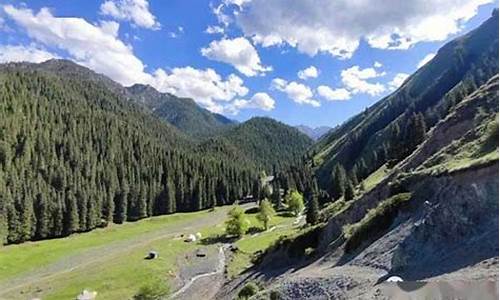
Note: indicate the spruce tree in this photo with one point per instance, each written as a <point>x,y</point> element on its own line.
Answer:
<point>338,182</point>
<point>312,216</point>
<point>349,191</point>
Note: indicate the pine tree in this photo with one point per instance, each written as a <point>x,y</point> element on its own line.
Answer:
<point>338,182</point>
<point>349,191</point>
<point>312,216</point>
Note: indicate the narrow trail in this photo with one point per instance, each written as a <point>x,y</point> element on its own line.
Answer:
<point>219,270</point>
<point>106,252</point>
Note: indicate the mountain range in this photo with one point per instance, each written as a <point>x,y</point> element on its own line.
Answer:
<point>314,133</point>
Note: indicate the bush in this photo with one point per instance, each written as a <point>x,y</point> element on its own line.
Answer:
<point>375,221</point>
<point>274,295</point>
<point>152,291</point>
<point>237,224</point>
<point>266,213</point>
<point>295,202</point>
<point>248,291</point>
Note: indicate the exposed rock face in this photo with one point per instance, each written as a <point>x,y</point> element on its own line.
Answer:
<point>456,226</point>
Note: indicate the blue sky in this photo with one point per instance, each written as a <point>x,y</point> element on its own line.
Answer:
<point>250,67</point>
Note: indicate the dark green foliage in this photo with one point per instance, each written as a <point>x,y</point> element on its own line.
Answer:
<point>374,222</point>
<point>338,182</point>
<point>266,142</point>
<point>392,128</point>
<point>74,155</point>
<point>248,291</point>
<point>312,214</point>
<point>348,191</point>
<point>183,113</point>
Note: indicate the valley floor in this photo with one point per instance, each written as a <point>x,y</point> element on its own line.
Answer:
<point>109,261</point>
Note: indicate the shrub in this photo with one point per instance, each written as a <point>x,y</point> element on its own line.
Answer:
<point>375,221</point>
<point>248,291</point>
<point>266,213</point>
<point>274,295</point>
<point>237,224</point>
<point>295,202</point>
<point>152,291</point>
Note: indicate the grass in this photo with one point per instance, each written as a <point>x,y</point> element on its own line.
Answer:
<point>477,147</point>
<point>375,178</point>
<point>115,277</point>
<point>375,221</point>
<point>250,245</point>
<point>17,259</point>
<point>121,275</point>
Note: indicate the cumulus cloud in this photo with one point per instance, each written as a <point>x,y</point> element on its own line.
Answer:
<point>336,27</point>
<point>135,11</point>
<point>398,80</point>
<point>99,48</point>
<point>94,46</point>
<point>205,86</point>
<point>426,59</point>
<point>333,94</point>
<point>238,52</point>
<point>356,81</point>
<point>19,53</point>
<point>258,101</point>
<point>310,72</point>
<point>377,64</point>
<point>297,92</point>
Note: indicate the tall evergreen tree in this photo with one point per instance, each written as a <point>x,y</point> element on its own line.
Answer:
<point>338,182</point>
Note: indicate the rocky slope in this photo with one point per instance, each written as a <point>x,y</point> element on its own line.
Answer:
<point>432,216</point>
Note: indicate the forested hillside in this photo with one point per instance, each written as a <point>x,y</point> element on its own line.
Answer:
<point>74,155</point>
<point>183,113</point>
<point>267,142</point>
<point>391,129</point>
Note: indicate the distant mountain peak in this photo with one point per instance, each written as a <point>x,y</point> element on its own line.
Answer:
<point>314,133</point>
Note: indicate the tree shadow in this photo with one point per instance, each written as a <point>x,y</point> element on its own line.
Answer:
<point>255,230</point>
<point>217,239</point>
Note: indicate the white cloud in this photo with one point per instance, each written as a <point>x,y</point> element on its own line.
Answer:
<point>426,59</point>
<point>238,52</point>
<point>298,92</point>
<point>398,80</point>
<point>377,64</point>
<point>135,11</point>
<point>239,3</point>
<point>95,46</point>
<point>218,11</point>
<point>356,81</point>
<point>333,94</point>
<point>310,72</point>
<point>336,27</point>
<point>205,86</point>
<point>214,30</point>
<point>99,48</point>
<point>258,101</point>
<point>31,53</point>
<point>176,34</point>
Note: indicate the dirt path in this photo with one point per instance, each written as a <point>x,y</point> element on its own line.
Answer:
<point>181,293</point>
<point>108,251</point>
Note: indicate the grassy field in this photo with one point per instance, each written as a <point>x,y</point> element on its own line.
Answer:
<point>110,260</point>
<point>16,259</point>
<point>249,245</point>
